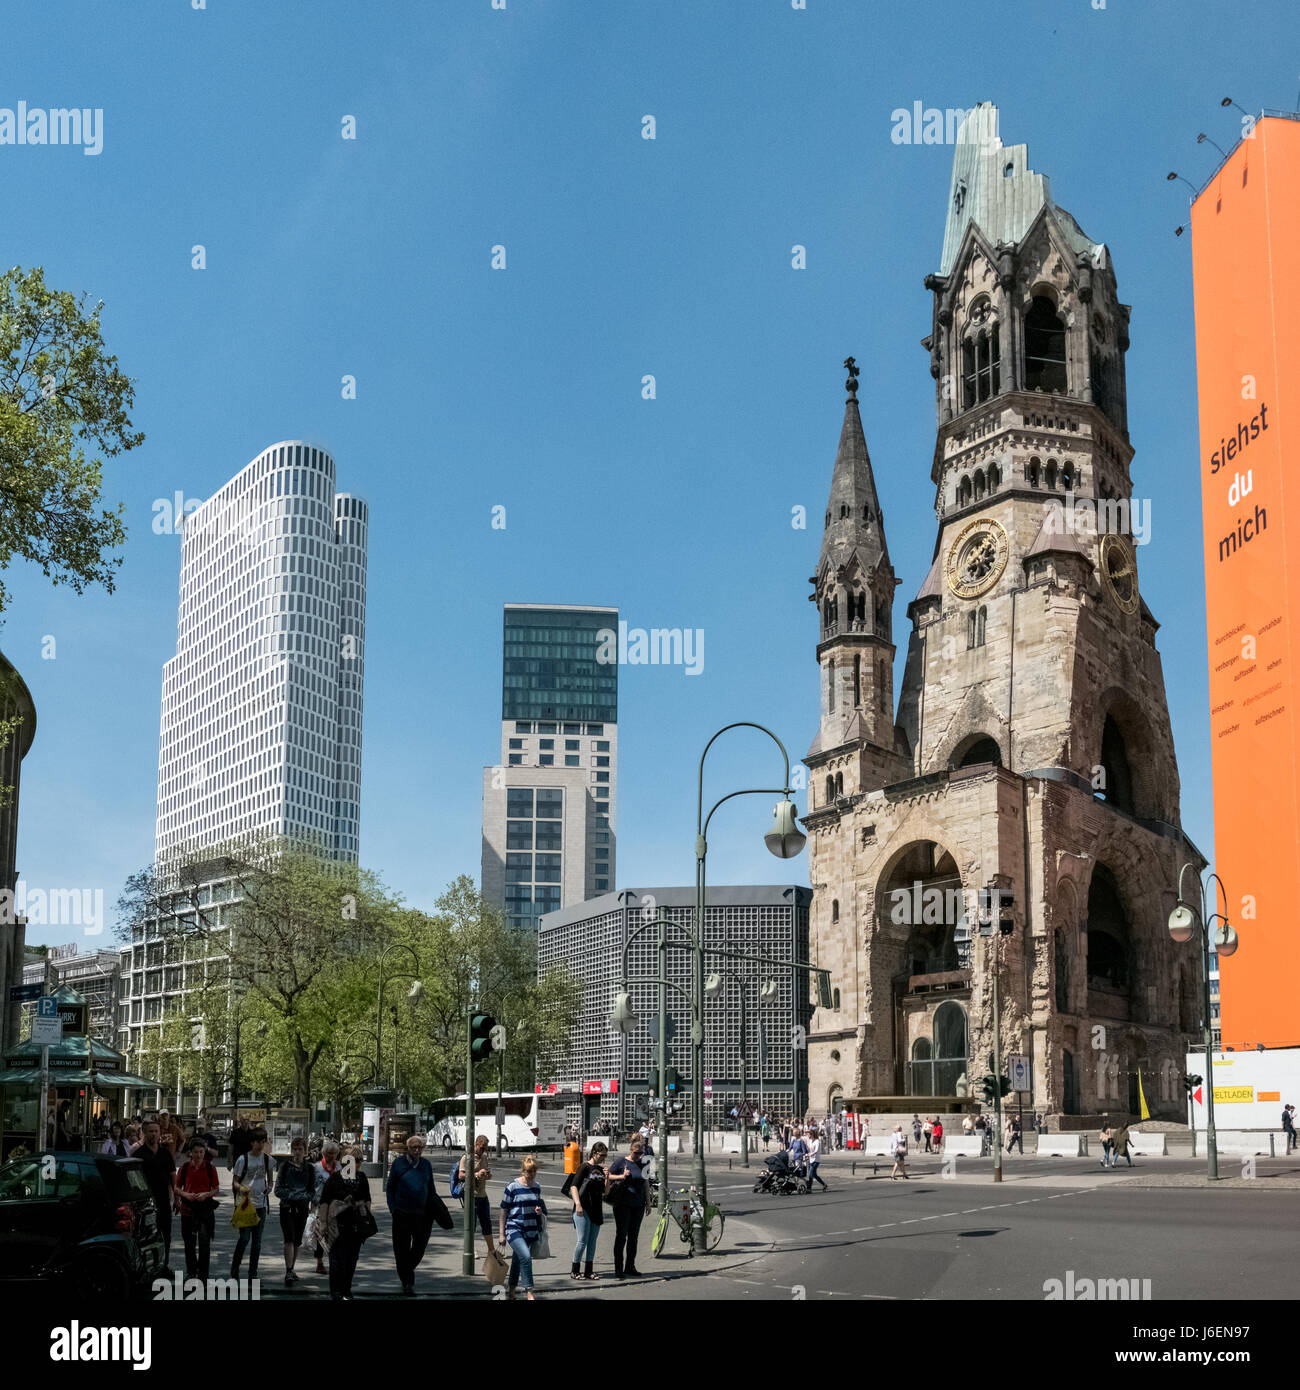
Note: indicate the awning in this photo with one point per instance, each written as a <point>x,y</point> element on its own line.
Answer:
<point>111,1079</point>
<point>64,1076</point>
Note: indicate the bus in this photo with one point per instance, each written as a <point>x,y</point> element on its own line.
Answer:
<point>531,1121</point>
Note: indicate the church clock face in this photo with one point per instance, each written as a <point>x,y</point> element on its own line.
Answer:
<point>976,559</point>
<point>1119,572</point>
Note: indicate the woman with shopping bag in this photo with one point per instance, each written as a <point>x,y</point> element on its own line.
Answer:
<point>522,1211</point>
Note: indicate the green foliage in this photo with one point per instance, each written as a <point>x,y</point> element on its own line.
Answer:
<point>60,393</point>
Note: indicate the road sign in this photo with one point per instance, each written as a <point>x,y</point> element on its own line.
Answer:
<point>47,1006</point>
<point>670,1031</point>
<point>47,1032</point>
<point>501,1116</point>
<point>1018,1072</point>
<point>22,994</point>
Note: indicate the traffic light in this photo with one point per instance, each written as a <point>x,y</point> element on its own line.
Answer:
<point>994,1087</point>
<point>1006,916</point>
<point>1190,1083</point>
<point>480,1036</point>
<point>654,1081</point>
<point>673,1081</point>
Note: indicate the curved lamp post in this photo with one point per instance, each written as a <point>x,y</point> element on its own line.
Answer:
<point>1184,921</point>
<point>414,994</point>
<point>785,840</point>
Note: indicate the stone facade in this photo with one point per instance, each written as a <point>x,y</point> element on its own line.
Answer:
<point>1031,756</point>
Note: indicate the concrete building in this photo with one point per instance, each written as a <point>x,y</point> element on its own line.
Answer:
<point>96,977</point>
<point>588,938</point>
<point>15,704</point>
<point>550,807</point>
<point>1030,752</point>
<point>262,704</point>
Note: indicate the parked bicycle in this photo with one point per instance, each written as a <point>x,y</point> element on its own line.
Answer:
<point>687,1213</point>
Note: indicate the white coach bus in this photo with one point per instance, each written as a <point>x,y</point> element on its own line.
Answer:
<point>531,1121</point>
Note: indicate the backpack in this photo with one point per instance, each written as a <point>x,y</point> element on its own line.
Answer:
<point>457,1183</point>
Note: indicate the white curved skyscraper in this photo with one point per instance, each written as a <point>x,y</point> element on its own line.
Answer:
<point>262,703</point>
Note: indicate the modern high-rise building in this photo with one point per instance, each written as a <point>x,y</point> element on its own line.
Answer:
<point>262,703</point>
<point>550,807</point>
<point>260,736</point>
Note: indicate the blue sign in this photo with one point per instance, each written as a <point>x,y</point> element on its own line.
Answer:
<point>47,1006</point>
<point>21,994</point>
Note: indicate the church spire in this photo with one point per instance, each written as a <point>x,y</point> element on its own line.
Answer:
<point>853,519</point>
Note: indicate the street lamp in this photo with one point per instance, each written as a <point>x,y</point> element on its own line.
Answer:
<point>768,993</point>
<point>1183,922</point>
<point>414,994</point>
<point>785,840</point>
<point>713,986</point>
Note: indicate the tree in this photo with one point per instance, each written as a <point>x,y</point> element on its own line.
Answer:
<point>61,392</point>
<point>469,955</point>
<point>296,933</point>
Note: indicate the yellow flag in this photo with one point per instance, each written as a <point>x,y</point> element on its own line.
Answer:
<point>1142,1100</point>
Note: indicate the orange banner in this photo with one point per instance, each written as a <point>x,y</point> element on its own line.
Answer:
<point>1247,285</point>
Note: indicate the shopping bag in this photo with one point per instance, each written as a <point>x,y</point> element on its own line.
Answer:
<point>495,1268</point>
<point>542,1248</point>
<point>309,1231</point>
<point>245,1213</point>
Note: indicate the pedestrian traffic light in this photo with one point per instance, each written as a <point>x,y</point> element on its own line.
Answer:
<point>480,1036</point>
<point>673,1082</point>
<point>994,1087</point>
<point>654,1081</point>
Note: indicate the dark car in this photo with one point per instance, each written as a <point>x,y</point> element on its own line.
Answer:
<point>85,1220</point>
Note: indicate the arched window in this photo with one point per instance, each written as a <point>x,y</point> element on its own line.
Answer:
<point>858,606</point>
<point>979,483</point>
<point>866,514</point>
<point>835,909</point>
<point>1062,970</point>
<point>970,630</point>
<point>963,492</point>
<point>1050,476</point>
<point>844,509</point>
<point>995,477</point>
<point>884,688</point>
<point>1108,933</point>
<point>857,681</point>
<point>1044,347</point>
<point>830,686</point>
<point>981,620</point>
<point>830,790</point>
<point>1117,780</point>
<point>839,784</point>
<point>968,388</point>
<point>937,1066</point>
<point>1033,472</point>
<point>836,1004</point>
<point>1067,475</point>
<point>983,750</point>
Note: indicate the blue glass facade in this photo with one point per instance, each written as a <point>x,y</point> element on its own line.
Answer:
<point>550,668</point>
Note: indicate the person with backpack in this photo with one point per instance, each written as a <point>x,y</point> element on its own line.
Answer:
<point>587,1189</point>
<point>198,1187</point>
<point>482,1207</point>
<point>322,1171</point>
<point>898,1152</point>
<point>409,1195</point>
<point>346,1220</point>
<point>295,1186</point>
<point>522,1208</point>
<point>253,1173</point>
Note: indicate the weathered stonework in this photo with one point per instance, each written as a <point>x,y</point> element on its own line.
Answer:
<point>1031,751</point>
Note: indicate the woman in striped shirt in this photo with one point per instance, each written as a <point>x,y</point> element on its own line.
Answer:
<point>522,1208</point>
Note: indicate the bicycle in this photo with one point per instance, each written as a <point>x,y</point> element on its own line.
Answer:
<point>686,1214</point>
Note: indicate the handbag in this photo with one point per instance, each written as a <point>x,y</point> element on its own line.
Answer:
<point>542,1245</point>
<point>495,1269</point>
<point>438,1210</point>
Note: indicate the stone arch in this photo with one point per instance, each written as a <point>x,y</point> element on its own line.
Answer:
<point>1109,934</point>
<point>975,748</point>
<point>1122,742</point>
<point>1065,945</point>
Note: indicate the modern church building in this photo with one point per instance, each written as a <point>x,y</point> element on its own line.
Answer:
<point>550,807</point>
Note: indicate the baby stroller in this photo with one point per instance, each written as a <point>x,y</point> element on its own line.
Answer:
<point>780,1177</point>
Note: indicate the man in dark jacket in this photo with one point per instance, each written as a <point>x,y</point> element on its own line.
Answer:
<point>410,1196</point>
<point>241,1140</point>
<point>159,1172</point>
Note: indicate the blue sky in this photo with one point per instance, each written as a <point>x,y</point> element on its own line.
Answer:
<point>522,387</point>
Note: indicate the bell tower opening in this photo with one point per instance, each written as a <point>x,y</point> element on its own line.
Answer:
<point>1044,347</point>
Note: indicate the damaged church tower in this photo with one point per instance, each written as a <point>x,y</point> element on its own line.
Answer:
<point>1031,750</point>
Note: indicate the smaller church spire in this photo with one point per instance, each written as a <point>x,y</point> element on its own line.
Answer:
<point>853,520</point>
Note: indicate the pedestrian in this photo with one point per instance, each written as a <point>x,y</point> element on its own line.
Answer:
<point>967,1125</point>
<point>814,1158</point>
<point>765,1130</point>
<point>323,1171</point>
<point>203,1130</point>
<point>1040,1125</point>
<point>1288,1126</point>
<point>522,1207</point>
<point>133,1137</point>
<point>241,1140</point>
<point>410,1200</point>
<point>936,1134</point>
<point>198,1187</point>
<point>170,1133</point>
<point>588,1192</point>
<point>798,1152</point>
<point>928,1130</point>
<point>253,1175</point>
<point>345,1216</point>
<point>64,1138</point>
<point>1015,1138</point>
<point>898,1152</point>
<point>1120,1148</point>
<point>115,1145</point>
<point>159,1172</point>
<point>626,1180</point>
<point>482,1207</point>
<point>916,1130</point>
<point>295,1186</point>
<point>1106,1143</point>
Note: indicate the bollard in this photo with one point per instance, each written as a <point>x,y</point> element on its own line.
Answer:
<point>855,1167</point>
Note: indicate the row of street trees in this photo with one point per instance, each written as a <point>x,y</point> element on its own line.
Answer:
<point>285,949</point>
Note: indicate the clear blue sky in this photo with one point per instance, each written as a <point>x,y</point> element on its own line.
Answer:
<point>522,388</point>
